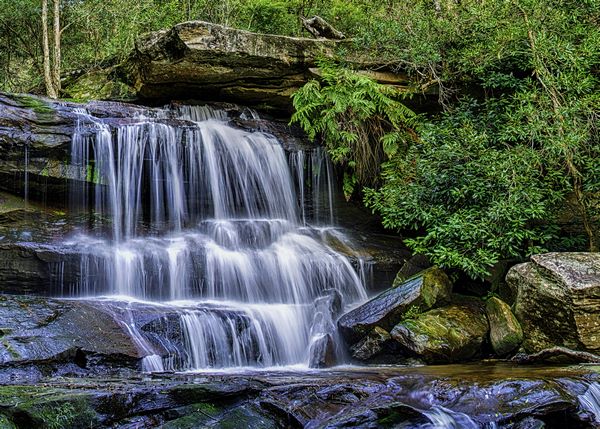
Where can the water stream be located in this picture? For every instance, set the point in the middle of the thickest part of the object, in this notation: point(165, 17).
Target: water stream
point(209, 240)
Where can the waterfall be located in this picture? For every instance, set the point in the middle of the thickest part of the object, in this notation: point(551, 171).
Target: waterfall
point(209, 229)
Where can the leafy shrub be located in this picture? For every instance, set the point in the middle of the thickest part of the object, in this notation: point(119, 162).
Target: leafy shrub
point(360, 121)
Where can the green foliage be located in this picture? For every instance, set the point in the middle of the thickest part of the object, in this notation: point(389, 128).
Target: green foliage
point(492, 176)
point(475, 199)
point(360, 121)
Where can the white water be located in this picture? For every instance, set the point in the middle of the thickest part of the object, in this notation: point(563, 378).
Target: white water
point(210, 225)
point(443, 418)
point(590, 401)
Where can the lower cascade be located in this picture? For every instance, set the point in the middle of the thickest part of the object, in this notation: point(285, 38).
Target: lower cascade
point(207, 242)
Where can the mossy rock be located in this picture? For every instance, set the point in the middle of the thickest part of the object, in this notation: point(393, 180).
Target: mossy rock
point(444, 335)
point(428, 289)
point(208, 415)
point(45, 408)
point(505, 331)
point(557, 301)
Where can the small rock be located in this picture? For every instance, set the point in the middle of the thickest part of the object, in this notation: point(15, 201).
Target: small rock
point(322, 352)
point(505, 331)
point(371, 345)
point(411, 267)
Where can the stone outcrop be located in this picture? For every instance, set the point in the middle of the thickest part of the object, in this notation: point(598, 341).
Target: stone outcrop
point(36, 133)
point(444, 335)
point(420, 293)
point(505, 331)
point(208, 61)
point(41, 330)
point(558, 301)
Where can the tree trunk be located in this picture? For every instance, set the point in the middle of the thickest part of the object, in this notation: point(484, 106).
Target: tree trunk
point(50, 91)
point(56, 66)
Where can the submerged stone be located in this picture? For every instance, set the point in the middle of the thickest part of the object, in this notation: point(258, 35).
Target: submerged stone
point(426, 290)
point(505, 331)
point(558, 301)
point(448, 334)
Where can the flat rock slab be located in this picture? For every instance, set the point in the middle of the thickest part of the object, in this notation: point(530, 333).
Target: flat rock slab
point(37, 329)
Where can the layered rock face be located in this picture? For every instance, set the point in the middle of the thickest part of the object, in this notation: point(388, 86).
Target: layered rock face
point(209, 61)
point(558, 301)
point(217, 61)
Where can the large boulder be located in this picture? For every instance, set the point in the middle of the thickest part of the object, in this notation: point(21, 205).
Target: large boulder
point(430, 288)
point(558, 301)
point(209, 61)
point(38, 330)
point(449, 334)
point(505, 331)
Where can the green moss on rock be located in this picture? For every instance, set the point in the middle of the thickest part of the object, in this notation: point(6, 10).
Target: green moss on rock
point(447, 334)
point(426, 290)
point(99, 85)
point(505, 331)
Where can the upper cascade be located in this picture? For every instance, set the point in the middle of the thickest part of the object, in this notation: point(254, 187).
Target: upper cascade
point(211, 226)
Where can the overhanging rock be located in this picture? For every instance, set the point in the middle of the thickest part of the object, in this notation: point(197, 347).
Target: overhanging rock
point(198, 59)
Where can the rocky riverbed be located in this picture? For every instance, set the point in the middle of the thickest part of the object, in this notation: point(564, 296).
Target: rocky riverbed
point(455, 396)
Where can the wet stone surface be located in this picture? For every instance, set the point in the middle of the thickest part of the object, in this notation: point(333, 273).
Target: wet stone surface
point(466, 396)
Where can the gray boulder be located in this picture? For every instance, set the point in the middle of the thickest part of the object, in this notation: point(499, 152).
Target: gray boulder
point(558, 301)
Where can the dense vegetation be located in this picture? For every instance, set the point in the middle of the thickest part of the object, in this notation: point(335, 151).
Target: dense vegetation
point(510, 154)
point(515, 150)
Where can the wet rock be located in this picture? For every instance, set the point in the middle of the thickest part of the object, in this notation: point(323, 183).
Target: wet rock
point(448, 334)
point(322, 352)
point(560, 355)
point(36, 329)
point(34, 268)
point(371, 345)
point(505, 331)
point(422, 292)
point(330, 301)
point(465, 396)
point(558, 301)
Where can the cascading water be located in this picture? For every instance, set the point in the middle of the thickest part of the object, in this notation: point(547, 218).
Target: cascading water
point(210, 250)
point(590, 401)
